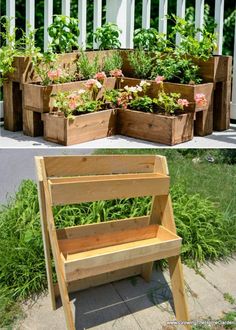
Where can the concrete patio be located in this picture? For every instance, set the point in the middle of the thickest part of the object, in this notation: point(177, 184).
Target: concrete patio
point(133, 304)
point(225, 139)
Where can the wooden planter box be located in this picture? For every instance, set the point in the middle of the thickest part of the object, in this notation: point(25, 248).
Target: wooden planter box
point(83, 128)
point(12, 89)
point(168, 130)
point(39, 98)
point(203, 115)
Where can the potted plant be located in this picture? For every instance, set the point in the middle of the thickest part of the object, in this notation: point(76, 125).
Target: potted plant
point(162, 119)
point(81, 116)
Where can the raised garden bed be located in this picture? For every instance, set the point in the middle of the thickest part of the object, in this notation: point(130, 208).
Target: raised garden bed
point(82, 128)
point(168, 130)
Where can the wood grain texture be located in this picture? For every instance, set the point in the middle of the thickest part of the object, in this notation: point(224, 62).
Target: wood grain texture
point(111, 226)
point(221, 106)
point(12, 106)
point(120, 186)
point(32, 123)
point(168, 130)
point(82, 128)
point(63, 166)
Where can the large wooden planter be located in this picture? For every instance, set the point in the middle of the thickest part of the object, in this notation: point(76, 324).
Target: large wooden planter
point(82, 128)
point(168, 130)
point(203, 115)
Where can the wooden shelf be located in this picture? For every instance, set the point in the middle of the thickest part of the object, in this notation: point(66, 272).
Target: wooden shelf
point(99, 253)
point(92, 255)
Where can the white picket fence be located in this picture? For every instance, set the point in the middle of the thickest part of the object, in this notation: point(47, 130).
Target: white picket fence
point(122, 13)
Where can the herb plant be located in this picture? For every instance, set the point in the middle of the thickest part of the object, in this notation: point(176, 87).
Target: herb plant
point(176, 69)
point(86, 69)
point(150, 40)
point(141, 63)
point(202, 49)
point(108, 36)
point(64, 32)
point(112, 62)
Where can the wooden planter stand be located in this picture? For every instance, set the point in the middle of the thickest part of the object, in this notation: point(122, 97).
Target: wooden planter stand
point(90, 255)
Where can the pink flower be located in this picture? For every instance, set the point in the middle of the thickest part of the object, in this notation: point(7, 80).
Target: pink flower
point(91, 83)
point(159, 79)
point(200, 100)
point(100, 75)
point(183, 102)
point(116, 73)
point(72, 104)
point(54, 74)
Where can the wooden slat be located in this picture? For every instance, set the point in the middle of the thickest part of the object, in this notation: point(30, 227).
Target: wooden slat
point(65, 7)
point(88, 191)
point(99, 261)
point(146, 13)
point(180, 12)
point(30, 14)
point(111, 226)
point(48, 12)
point(233, 106)
point(199, 16)
point(100, 279)
point(11, 12)
point(86, 165)
point(163, 6)
point(97, 18)
point(92, 242)
point(82, 15)
point(219, 19)
point(130, 23)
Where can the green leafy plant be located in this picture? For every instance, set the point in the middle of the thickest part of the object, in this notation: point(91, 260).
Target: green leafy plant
point(141, 63)
point(150, 40)
point(64, 32)
point(228, 297)
point(112, 62)
point(108, 36)
point(180, 69)
point(87, 69)
point(202, 49)
point(142, 103)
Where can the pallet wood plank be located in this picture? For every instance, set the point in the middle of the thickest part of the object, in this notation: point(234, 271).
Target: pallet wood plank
point(88, 191)
point(88, 165)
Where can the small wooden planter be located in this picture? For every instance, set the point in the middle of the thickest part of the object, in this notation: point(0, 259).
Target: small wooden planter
point(203, 115)
point(82, 128)
point(168, 130)
point(90, 255)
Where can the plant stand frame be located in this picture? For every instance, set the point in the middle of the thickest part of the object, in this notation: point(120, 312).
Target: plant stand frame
point(95, 254)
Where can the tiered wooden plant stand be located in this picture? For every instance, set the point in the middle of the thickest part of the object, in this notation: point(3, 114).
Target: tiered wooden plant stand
point(94, 254)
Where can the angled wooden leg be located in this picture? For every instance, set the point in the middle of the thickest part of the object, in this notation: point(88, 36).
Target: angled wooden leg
point(178, 290)
point(65, 301)
point(46, 246)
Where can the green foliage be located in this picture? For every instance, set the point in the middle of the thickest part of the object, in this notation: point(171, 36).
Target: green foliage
point(112, 62)
point(142, 103)
point(108, 36)
point(202, 49)
point(64, 32)
point(178, 69)
point(87, 69)
point(168, 102)
point(228, 297)
point(150, 40)
point(141, 63)
point(229, 27)
point(43, 63)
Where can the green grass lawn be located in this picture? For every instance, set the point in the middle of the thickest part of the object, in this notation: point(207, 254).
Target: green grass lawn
point(204, 199)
